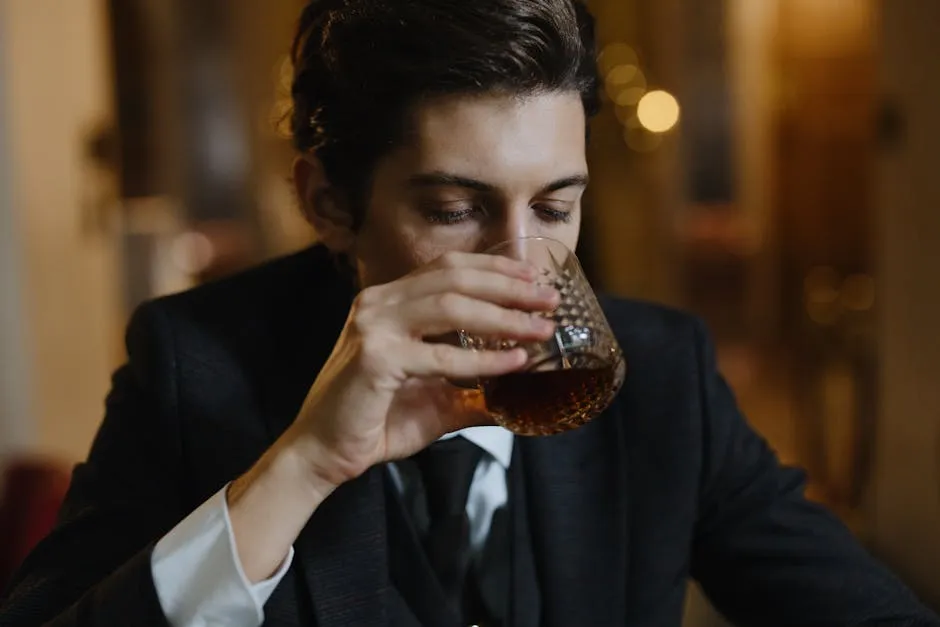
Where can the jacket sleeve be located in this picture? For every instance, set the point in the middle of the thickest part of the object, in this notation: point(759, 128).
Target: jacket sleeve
point(764, 554)
point(94, 569)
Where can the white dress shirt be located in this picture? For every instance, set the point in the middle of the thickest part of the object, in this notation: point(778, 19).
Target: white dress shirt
point(200, 581)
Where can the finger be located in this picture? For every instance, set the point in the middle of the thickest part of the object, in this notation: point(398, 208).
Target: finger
point(441, 360)
point(443, 313)
point(485, 285)
point(521, 270)
point(493, 263)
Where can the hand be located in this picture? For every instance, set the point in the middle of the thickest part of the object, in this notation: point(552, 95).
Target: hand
point(383, 394)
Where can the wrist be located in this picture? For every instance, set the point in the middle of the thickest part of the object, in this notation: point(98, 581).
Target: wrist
point(268, 507)
point(315, 462)
point(283, 469)
point(299, 462)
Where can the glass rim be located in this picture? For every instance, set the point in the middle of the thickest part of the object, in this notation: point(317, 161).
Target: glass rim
point(527, 238)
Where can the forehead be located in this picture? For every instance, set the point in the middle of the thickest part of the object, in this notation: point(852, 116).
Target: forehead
point(497, 137)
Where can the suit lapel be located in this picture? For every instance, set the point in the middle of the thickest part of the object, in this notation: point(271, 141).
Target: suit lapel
point(577, 497)
point(342, 554)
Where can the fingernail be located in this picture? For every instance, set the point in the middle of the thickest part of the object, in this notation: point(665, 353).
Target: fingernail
point(548, 293)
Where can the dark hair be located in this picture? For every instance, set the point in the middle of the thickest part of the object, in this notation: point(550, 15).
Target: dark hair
point(359, 65)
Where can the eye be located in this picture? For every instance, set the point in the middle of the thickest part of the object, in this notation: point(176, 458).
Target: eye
point(553, 213)
point(451, 213)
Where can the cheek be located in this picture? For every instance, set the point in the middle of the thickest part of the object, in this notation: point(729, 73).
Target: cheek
point(429, 243)
point(388, 253)
point(418, 248)
point(421, 242)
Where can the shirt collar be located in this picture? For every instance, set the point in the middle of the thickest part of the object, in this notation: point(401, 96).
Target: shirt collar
point(494, 440)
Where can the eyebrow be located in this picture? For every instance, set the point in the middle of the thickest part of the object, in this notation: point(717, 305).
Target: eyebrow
point(444, 179)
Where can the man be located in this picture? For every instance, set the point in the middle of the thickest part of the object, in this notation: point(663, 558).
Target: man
point(267, 450)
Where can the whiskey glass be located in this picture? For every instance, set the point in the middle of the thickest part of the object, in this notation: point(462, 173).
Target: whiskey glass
point(572, 377)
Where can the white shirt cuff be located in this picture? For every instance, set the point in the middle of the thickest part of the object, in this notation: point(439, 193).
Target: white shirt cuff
point(199, 579)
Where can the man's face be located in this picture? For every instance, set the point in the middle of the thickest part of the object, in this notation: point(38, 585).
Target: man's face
point(473, 172)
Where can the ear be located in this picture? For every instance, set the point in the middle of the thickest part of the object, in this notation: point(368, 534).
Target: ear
point(322, 205)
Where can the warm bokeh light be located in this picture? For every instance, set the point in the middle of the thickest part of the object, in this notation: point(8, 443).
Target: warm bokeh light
point(622, 75)
point(630, 96)
point(769, 166)
point(658, 111)
point(626, 84)
point(614, 55)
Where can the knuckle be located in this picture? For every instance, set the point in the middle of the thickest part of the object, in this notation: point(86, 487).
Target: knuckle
point(362, 320)
point(369, 297)
point(360, 325)
point(449, 260)
point(449, 304)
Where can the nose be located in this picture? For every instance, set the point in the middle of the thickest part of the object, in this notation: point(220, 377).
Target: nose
point(510, 224)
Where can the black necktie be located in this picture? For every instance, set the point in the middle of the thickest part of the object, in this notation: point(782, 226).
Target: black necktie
point(447, 469)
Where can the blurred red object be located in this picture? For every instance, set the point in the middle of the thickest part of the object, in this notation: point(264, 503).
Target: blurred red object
point(32, 493)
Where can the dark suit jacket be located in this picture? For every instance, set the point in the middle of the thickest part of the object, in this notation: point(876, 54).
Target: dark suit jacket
point(669, 483)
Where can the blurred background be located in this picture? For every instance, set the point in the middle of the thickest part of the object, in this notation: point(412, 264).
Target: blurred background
point(771, 165)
